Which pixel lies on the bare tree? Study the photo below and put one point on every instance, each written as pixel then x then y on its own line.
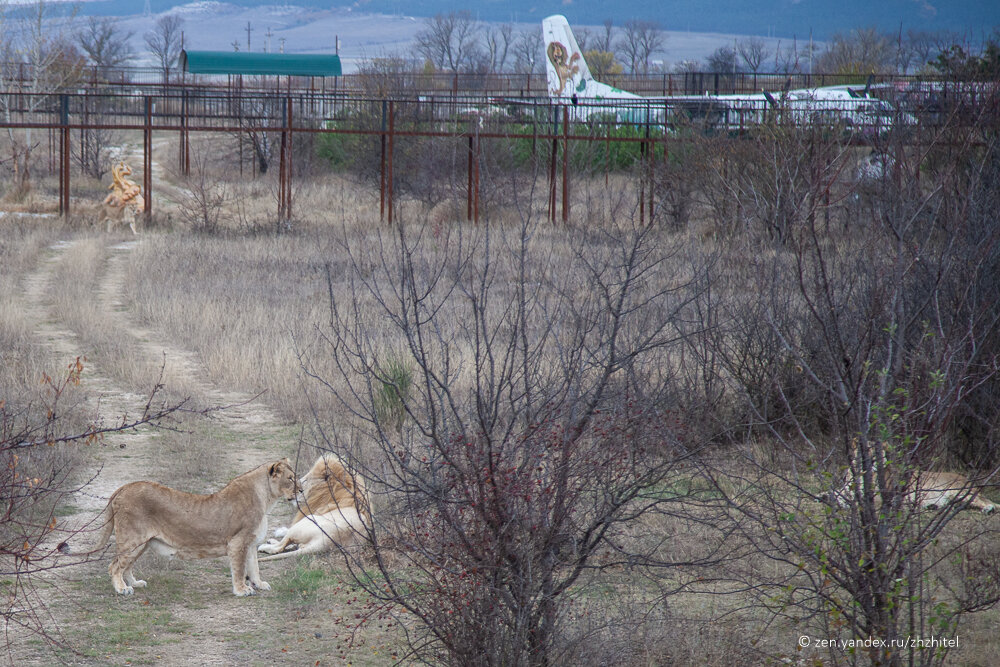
pixel 449 41
pixel 862 51
pixel 724 59
pixel 499 41
pixel 753 51
pixel 789 60
pixel 106 46
pixel 96 145
pixel 639 41
pixel 105 43
pixel 165 42
pixel 527 49
pixel 924 46
pixel 688 66
pixel 605 40
pixel 379 77
pixel 38 61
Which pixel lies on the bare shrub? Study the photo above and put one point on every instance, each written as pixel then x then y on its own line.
pixel 865 348
pixel 38 465
pixel 205 196
pixel 537 426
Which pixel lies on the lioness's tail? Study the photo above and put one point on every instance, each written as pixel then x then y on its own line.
pixel 107 515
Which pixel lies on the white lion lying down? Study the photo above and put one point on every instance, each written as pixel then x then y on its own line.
pixel 926 489
pixel 335 511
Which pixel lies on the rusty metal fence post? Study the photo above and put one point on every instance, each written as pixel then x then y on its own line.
pixel 552 165
pixel 389 174
pixel 184 143
pixel 64 155
pixel 468 181
pixel 285 163
pixel 472 175
pixel 381 171
pixel 565 174
pixel 290 161
pixel 147 159
pixel 475 178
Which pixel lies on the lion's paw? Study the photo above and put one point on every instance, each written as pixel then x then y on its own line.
pixel 244 592
pixel 125 591
pixel 263 586
pixel 139 583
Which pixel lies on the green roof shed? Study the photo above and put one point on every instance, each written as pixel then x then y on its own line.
pixel 284 64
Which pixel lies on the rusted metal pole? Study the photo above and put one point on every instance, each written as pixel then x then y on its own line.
pixel 381 176
pixel 643 175
pixel 475 167
pixel 651 151
pixel 389 175
pixel 565 174
pixel 288 165
pixel 552 168
pixel 468 180
pixel 83 134
pixel 147 160
pixel 184 145
pixel 642 197
pixel 64 157
pixel 281 176
pixel 650 162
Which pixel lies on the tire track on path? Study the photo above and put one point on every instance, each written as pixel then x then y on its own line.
pixel 242 415
pixel 103 395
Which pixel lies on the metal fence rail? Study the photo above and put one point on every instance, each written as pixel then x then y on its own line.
pixel 146 80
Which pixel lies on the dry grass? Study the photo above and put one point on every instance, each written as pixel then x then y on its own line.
pixel 77 294
pixel 23 360
pixel 248 303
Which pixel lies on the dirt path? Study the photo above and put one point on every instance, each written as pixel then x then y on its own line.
pixel 243 414
pixel 104 394
pixel 229 441
pixel 164 191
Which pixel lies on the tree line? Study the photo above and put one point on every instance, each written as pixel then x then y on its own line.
pixel 457 42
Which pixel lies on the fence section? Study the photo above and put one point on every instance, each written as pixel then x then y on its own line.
pixel 549 129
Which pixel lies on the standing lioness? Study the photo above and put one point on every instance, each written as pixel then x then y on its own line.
pixel 230 522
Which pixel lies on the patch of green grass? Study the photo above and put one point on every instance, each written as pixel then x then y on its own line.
pixel 681 487
pixel 106 625
pixel 66 510
pixel 304 584
pixel 120 629
pixel 392 392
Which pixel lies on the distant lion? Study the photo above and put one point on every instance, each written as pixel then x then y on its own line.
pixel 113 214
pixel 125 200
pixel 928 490
pixel 335 511
pixel 230 522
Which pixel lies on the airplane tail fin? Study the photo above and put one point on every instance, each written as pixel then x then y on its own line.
pixel 566 71
pixel 565 68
